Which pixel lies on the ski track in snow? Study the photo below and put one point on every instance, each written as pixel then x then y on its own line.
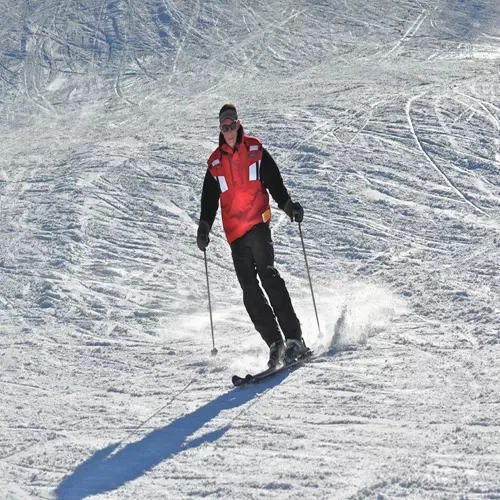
pixel 445 177
pixel 412 30
pixel 384 119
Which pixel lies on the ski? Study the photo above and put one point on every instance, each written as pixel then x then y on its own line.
pixel 271 372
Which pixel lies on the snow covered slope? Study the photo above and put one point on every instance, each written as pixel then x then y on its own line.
pixel 384 118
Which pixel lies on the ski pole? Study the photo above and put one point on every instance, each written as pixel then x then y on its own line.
pixel 310 282
pixel 214 350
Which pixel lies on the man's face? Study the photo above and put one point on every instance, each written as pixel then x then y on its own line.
pixel 229 129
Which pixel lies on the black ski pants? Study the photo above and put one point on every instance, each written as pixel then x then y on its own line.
pixel 253 255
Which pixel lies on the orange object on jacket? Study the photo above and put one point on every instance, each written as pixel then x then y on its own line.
pixel 244 199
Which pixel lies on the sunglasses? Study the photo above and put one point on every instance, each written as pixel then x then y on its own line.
pixel 227 128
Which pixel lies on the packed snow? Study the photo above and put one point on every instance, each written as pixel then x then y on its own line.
pixel 384 118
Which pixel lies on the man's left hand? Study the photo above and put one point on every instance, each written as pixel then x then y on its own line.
pixel 294 211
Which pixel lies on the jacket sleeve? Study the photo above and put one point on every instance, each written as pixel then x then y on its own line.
pixel 272 180
pixel 209 199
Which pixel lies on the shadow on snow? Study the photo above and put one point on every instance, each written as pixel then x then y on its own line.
pixel 113 466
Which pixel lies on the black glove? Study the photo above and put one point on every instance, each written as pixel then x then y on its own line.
pixel 202 238
pixel 294 210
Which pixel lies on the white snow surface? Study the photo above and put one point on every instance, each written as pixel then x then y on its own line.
pixel 384 117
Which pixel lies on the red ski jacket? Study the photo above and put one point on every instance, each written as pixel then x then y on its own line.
pixel 243 198
pixel 240 181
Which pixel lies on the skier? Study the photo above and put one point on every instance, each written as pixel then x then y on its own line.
pixel 240 173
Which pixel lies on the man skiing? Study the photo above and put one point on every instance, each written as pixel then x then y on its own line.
pixel 240 173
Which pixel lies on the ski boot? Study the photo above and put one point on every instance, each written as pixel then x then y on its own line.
pixel 294 350
pixel 276 353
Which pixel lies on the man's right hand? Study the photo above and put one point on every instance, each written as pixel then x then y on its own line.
pixel 202 238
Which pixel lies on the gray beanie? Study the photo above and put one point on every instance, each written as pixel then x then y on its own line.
pixel 228 112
